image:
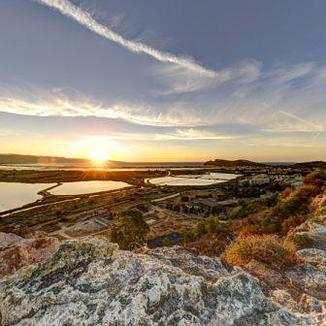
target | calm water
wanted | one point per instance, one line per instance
(78, 167)
(87, 187)
(194, 180)
(13, 195)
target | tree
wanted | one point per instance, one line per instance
(131, 230)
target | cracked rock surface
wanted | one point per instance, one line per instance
(91, 282)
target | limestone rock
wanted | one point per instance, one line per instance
(91, 282)
(316, 232)
(309, 279)
(312, 256)
(7, 239)
(305, 305)
(16, 252)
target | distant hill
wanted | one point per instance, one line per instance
(35, 159)
(235, 163)
(310, 165)
(56, 160)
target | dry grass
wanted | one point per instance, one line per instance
(266, 249)
(208, 246)
(299, 240)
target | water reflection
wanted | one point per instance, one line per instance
(14, 194)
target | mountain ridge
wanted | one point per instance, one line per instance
(235, 163)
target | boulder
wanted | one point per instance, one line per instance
(312, 256)
(306, 304)
(91, 282)
(315, 232)
(8, 239)
(17, 252)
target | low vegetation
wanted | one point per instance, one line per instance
(261, 231)
(301, 241)
(291, 209)
(209, 237)
(266, 249)
(131, 230)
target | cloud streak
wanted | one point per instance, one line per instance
(84, 18)
(185, 134)
(177, 80)
(268, 101)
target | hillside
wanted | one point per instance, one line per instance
(37, 159)
(34, 159)
(310, 165)
(235, 163)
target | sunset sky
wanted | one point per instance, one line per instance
(172, 80)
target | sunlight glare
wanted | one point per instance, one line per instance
(99, 156)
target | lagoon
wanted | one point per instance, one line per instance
(87, 187)
(14, 194)
(193, 180)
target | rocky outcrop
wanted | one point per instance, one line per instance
(91, 282)
(312, 256)
(301, 288)
(310, 276)
(16, 252)
(8, 239)
(306, 305)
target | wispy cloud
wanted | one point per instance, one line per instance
(306, 125)
(200, 134)
(287, 74)
(34, 101)
(178, 80)
(85, 18)
(185, 134)
(251, 96)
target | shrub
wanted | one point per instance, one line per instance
(184, 199)
(212, 225)
(299, 240)
(266, 249)
(188, 235)
(208, 237)
(313, 179)
(255, 229)
(167, 242)
(290, 210)
(142, 207)
(131, 230)
(272, 200)
(286, 193)
(292, 222)
(208, 246)
(319, 215)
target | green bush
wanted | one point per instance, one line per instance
(131, 230)
(208, 237)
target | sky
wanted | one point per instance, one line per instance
(168, 80)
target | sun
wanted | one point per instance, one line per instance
(99, 156)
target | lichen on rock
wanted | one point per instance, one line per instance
(91, 282)
(16, 252)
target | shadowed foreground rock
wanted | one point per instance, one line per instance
(91, 282)
(16, 252)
